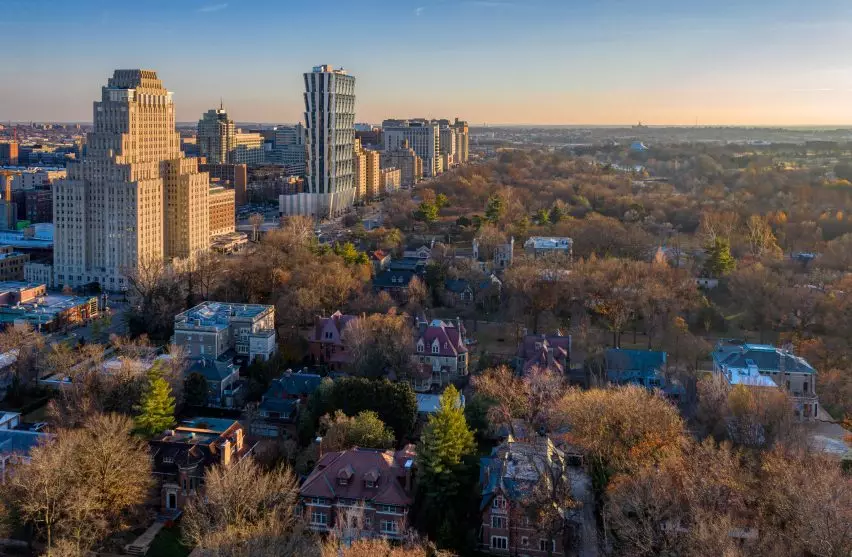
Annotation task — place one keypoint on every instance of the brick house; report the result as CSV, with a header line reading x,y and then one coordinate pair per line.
x,y
325,343
506,477
370,489
550,351
182,455
440,346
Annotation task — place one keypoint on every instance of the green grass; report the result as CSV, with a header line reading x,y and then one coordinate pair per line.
x,y
168,544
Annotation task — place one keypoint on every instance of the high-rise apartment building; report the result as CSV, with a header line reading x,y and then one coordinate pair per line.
x,y
220,142
462,141
406,160
330,120
222,211
360,171
422,135
9,153
373,163
133,198
391,178
289,148
448,145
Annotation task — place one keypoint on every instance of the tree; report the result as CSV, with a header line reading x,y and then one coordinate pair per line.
x,y
247,512
542,217
410,547
380,344
24,343
495,209
557,212
157,407
341,432
760,237
255,220
195,390
719,262
80,484
445,443
427,212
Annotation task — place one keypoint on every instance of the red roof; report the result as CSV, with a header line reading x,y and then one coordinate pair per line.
x,y
450,340
357,466
334,326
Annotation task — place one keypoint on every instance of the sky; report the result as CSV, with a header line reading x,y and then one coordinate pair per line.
x,y
559,62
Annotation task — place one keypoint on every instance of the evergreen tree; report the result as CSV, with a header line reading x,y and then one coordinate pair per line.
x,y
157,406
195,390
557,213
542,217
494,209
446,461
719,261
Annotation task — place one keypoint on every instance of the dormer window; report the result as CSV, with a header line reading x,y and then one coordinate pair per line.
x,y
420,347
436,348
369,483
328,335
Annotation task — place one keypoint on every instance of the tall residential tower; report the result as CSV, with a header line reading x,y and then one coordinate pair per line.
x,y
330,168
133,198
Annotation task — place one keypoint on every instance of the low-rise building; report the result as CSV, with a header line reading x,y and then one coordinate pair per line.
x,y
440,346
763,365
544,245
502,257
395,283
212,328
376,484
12,264
325,343
31,304
281,403
547,351
639,367
223,380
182,455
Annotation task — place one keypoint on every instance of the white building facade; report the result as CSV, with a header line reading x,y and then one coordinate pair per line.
x,y
330,164
422,135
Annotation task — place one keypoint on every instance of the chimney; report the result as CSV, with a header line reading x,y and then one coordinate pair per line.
x,y
239,439
408,468
226,452
318,442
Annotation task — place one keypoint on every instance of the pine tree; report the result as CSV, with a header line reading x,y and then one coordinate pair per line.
x,y
445,443
157,405
494,209
719,261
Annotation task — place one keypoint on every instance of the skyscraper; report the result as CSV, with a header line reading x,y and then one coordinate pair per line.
x,y
221,142
133,198
216,136
330,121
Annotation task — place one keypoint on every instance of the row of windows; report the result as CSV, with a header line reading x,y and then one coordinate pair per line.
x,y
502,542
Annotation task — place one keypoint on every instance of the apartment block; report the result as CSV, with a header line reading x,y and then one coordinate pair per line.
x,y
133,198
12,263
9,153
373,162
406,160
360,171
391,180
222,211
421,135
212,329
248,149
234,175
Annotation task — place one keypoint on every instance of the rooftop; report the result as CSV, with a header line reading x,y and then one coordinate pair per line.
x,y
549,243
218,314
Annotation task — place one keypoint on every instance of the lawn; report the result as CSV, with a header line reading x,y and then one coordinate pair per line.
x,y
168,544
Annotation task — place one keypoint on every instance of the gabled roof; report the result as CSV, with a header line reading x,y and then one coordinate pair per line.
x,y
358,465
212,370
643,362
393,279
283,406
513,468
335,324
293,385
450,340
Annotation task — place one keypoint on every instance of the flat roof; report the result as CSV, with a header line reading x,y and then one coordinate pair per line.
x,y
219,314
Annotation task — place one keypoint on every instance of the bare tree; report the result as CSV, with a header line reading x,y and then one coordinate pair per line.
x,y
255,220
247,512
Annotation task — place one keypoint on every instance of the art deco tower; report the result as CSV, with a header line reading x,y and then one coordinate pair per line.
x,y
134,198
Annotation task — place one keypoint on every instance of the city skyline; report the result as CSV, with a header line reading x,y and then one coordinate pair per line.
x,y
496,62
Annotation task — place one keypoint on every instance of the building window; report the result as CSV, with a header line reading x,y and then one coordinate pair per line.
x,y
368,522
499,542
370,483
542,545
525,541
498,522
389,527
499,502
435,348
319,518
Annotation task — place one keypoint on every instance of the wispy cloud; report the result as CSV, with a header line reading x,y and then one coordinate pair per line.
x,y
212,8
487,4
418,11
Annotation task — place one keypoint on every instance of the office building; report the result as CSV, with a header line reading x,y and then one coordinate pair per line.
x,y
133,198
32,178
289,148
222,211
12,263
422,135
220,142
35,205
370,136
8,215
234,175
330,120
406,160
248,149
9,153
215,137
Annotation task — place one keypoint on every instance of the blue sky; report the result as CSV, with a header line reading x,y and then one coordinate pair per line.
x,y
488,61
